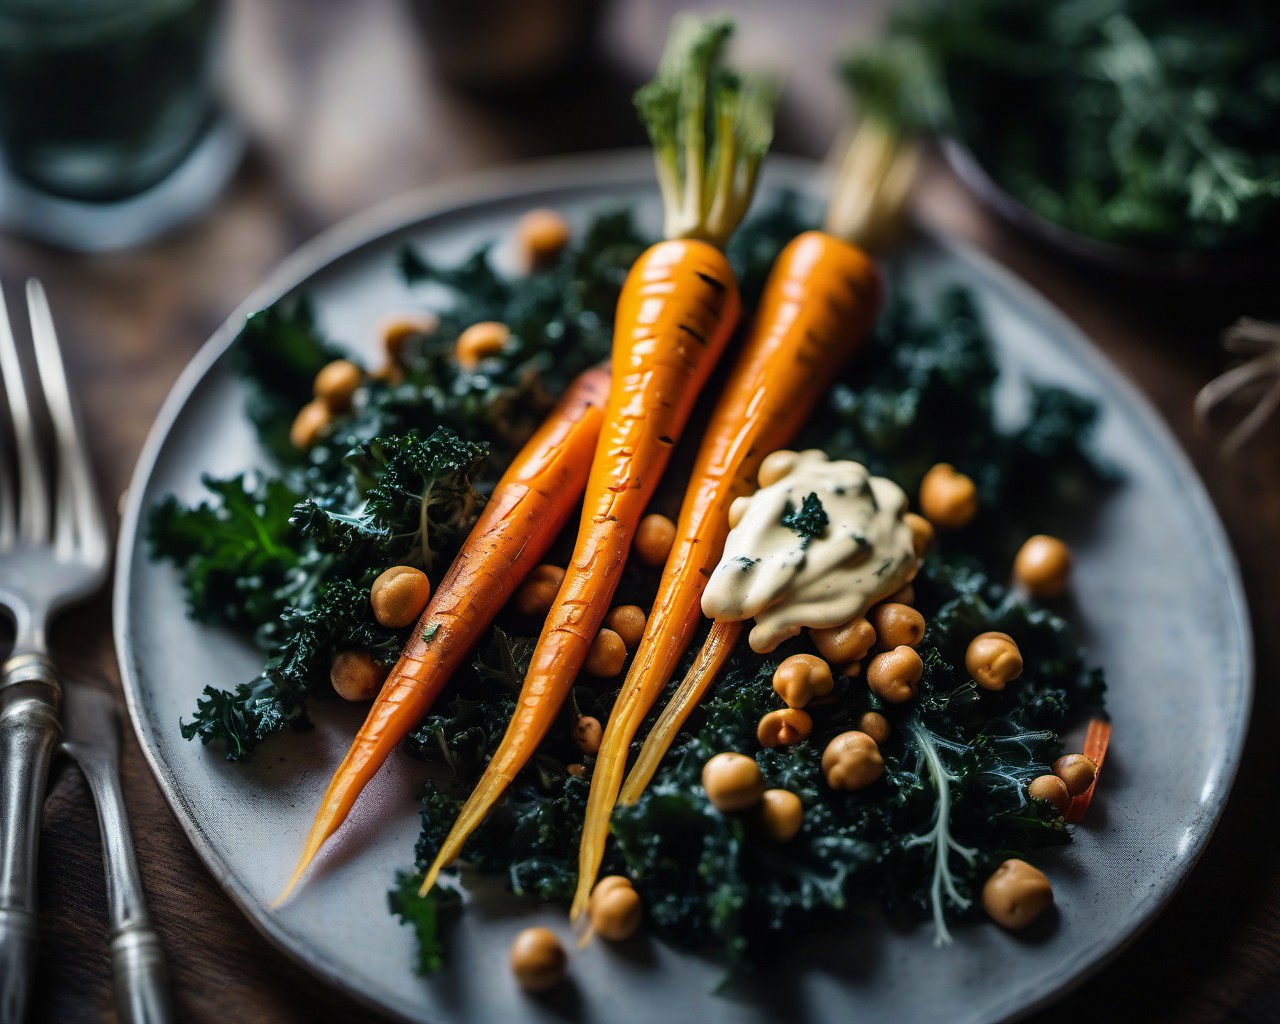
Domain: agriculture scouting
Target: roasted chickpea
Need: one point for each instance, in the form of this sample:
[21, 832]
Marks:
[852, 761]
[921, 532]
[336, 384]
[784, 728]
[896, 625]
[538, 592]
[356, 676]
[654, 537]
[628, 621]
[948, 498]
[1016, 894]
[737, 510]
[800, 678]
[1077, 771]
[733, 782]
[615, 909]
[1052, 789]
[875, 725]
[607, 655]
[578, 771]
[781, 814]
[775, 466]
[397, 328]
[311, 419]
[480, 341]
[399, 595]
[894, 676]
[1042, 565]
[993, 659]
[541, 236]
[844, 645]
[538, 960]
[587, 734]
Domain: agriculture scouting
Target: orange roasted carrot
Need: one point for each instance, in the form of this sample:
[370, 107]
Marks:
[678, 307]
[529, 507]
[817, 306]
[1096, 741]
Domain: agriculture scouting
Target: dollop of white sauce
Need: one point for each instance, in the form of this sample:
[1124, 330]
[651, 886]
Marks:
[787, 581]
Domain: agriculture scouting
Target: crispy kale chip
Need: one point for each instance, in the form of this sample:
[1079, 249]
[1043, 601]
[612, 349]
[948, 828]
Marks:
[810, 520]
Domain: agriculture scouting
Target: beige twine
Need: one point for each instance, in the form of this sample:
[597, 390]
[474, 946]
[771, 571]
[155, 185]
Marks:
[1256, 381]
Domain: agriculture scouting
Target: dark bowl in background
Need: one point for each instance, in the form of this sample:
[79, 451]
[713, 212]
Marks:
[1187, 266]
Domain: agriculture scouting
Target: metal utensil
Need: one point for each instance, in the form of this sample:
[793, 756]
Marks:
[92, 738]
[53, 552]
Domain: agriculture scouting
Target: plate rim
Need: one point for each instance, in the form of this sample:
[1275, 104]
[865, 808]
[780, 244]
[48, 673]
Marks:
[567, 173]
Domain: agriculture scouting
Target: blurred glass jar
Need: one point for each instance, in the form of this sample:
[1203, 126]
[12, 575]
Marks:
[506, 45]
[102, 99]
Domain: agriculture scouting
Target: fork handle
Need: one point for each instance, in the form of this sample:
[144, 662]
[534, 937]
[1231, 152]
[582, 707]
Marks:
[30, 698]
[141, 979]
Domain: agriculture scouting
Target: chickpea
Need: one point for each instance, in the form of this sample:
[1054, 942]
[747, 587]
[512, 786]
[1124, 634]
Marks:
[538, 960]
[993, 659]
[800, 678]
[628, 621]
[1042, 565]
[784, 728]
[399, 595]
[578, 771]
[395, 330]
[587, 734]
[336, 384]
[615, 909]
[654, 537]
[948, 498]
[538, 592]
[480, 341]
[1052, 789]
[356, 676]
[311, 419]
[921, 532]
[894, 676]
[775, 466]
[852, 761]
[541, 235]
[737, 510]
[733, 782]
[896, 625]
[1016, 894]
[876, 726]
[781, 815]
[607, 655]
[1077, 771]
[844, 645]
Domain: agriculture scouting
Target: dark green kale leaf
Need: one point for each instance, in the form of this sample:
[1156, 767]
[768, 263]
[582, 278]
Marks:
[422, 914]
[238, 555]
[810, 520]
[279, 351]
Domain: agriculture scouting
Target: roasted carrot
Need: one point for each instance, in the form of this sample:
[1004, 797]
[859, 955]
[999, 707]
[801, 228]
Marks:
[1096, 741]
[677, 309]
[529, 507]
[817, 306]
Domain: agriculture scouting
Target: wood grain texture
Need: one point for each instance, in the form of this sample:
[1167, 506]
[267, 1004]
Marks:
[345, 110]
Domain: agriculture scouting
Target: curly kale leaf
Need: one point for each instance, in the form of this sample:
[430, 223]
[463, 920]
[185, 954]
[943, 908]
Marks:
[340, 618]
[810, 520]
[238, 555]
[422, 914]
[413, 498]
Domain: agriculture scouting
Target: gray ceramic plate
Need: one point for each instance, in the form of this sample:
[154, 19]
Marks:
[1160, 598]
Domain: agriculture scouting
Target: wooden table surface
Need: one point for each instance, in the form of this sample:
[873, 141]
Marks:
[345, 109]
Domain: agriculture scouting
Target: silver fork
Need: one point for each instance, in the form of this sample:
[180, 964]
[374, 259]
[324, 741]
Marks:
[53, 552]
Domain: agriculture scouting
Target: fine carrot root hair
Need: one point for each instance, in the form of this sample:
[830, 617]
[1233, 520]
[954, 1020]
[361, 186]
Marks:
[677, 309]
[528, 507]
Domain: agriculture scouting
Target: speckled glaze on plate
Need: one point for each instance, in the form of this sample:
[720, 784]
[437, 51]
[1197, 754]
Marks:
[1156, 585]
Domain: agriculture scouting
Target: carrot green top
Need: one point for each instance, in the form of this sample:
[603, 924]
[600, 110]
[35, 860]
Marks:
[710, 128]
